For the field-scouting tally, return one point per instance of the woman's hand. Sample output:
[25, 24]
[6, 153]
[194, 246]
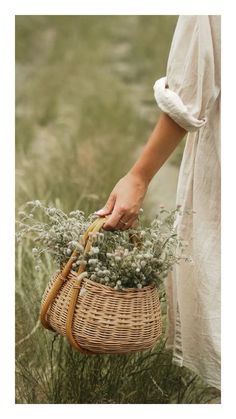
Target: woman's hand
[126, 198]
[124, 203]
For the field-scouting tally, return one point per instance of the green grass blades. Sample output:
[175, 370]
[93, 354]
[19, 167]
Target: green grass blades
[84, 105]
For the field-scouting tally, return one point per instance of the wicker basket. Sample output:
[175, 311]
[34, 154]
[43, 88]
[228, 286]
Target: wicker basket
[97, 318]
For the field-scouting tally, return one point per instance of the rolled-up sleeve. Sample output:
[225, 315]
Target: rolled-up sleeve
[191, 84]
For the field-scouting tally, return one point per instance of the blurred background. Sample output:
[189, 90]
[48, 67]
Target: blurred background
[84, 111]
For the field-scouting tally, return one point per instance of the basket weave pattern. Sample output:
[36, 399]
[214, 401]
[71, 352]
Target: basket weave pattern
[97, 318]
[108, 320]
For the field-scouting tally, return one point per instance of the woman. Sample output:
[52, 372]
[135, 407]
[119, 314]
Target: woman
[189, 97]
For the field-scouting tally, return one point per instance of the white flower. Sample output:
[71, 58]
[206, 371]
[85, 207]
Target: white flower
[94, 251]
[92, 261]
[83, 275]
[100, 274]
[73, 244]
[119, 263]
[147, 255]
[154, 236]
[106, 272]
[52, 211]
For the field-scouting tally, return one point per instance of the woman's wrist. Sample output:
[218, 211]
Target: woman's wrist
[163, 140]
[141, 175]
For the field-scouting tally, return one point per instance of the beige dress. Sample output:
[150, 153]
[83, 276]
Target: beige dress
[190, 95]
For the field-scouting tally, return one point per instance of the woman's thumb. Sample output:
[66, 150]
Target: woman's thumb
[107, 209]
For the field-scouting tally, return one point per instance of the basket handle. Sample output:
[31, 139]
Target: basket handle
[65, 272]
[134, 238]
[76, 288]
[93, 228]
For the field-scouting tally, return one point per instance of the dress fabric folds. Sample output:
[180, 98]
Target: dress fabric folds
[190, 95]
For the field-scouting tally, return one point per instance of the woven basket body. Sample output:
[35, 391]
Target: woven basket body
[107, 320]
[97, 318]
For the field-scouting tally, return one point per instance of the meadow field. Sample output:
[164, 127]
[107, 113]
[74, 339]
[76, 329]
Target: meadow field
[84, 107]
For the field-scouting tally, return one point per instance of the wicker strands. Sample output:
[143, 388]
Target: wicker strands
[97, 318]
[108, 320]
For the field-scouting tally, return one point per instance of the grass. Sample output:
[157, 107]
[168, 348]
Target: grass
[84, 103]
[65, 376]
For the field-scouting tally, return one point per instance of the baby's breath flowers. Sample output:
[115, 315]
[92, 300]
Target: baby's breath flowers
[119, 259]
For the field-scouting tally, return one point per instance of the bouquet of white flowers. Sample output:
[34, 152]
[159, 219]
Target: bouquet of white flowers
[114, 258]
[104, 295]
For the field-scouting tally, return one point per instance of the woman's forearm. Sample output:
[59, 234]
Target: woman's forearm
[126, 198]
[161, 143]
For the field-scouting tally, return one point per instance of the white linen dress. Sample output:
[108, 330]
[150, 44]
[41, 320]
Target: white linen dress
[190, 95]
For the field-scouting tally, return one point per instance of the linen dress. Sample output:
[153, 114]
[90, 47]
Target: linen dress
[190, 95]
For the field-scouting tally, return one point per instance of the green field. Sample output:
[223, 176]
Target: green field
[84, 105]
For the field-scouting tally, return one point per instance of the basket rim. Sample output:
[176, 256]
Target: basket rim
[107, 287]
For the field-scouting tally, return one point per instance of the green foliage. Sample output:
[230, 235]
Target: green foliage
[62, 375]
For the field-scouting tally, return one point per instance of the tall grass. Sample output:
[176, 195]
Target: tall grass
[84, 104]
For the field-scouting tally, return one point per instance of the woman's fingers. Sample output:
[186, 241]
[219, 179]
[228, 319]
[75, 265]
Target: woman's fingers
[124, 203]
[107, 209]
[134, 223]
[125, 224]
[113, 221]
[120, 219]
